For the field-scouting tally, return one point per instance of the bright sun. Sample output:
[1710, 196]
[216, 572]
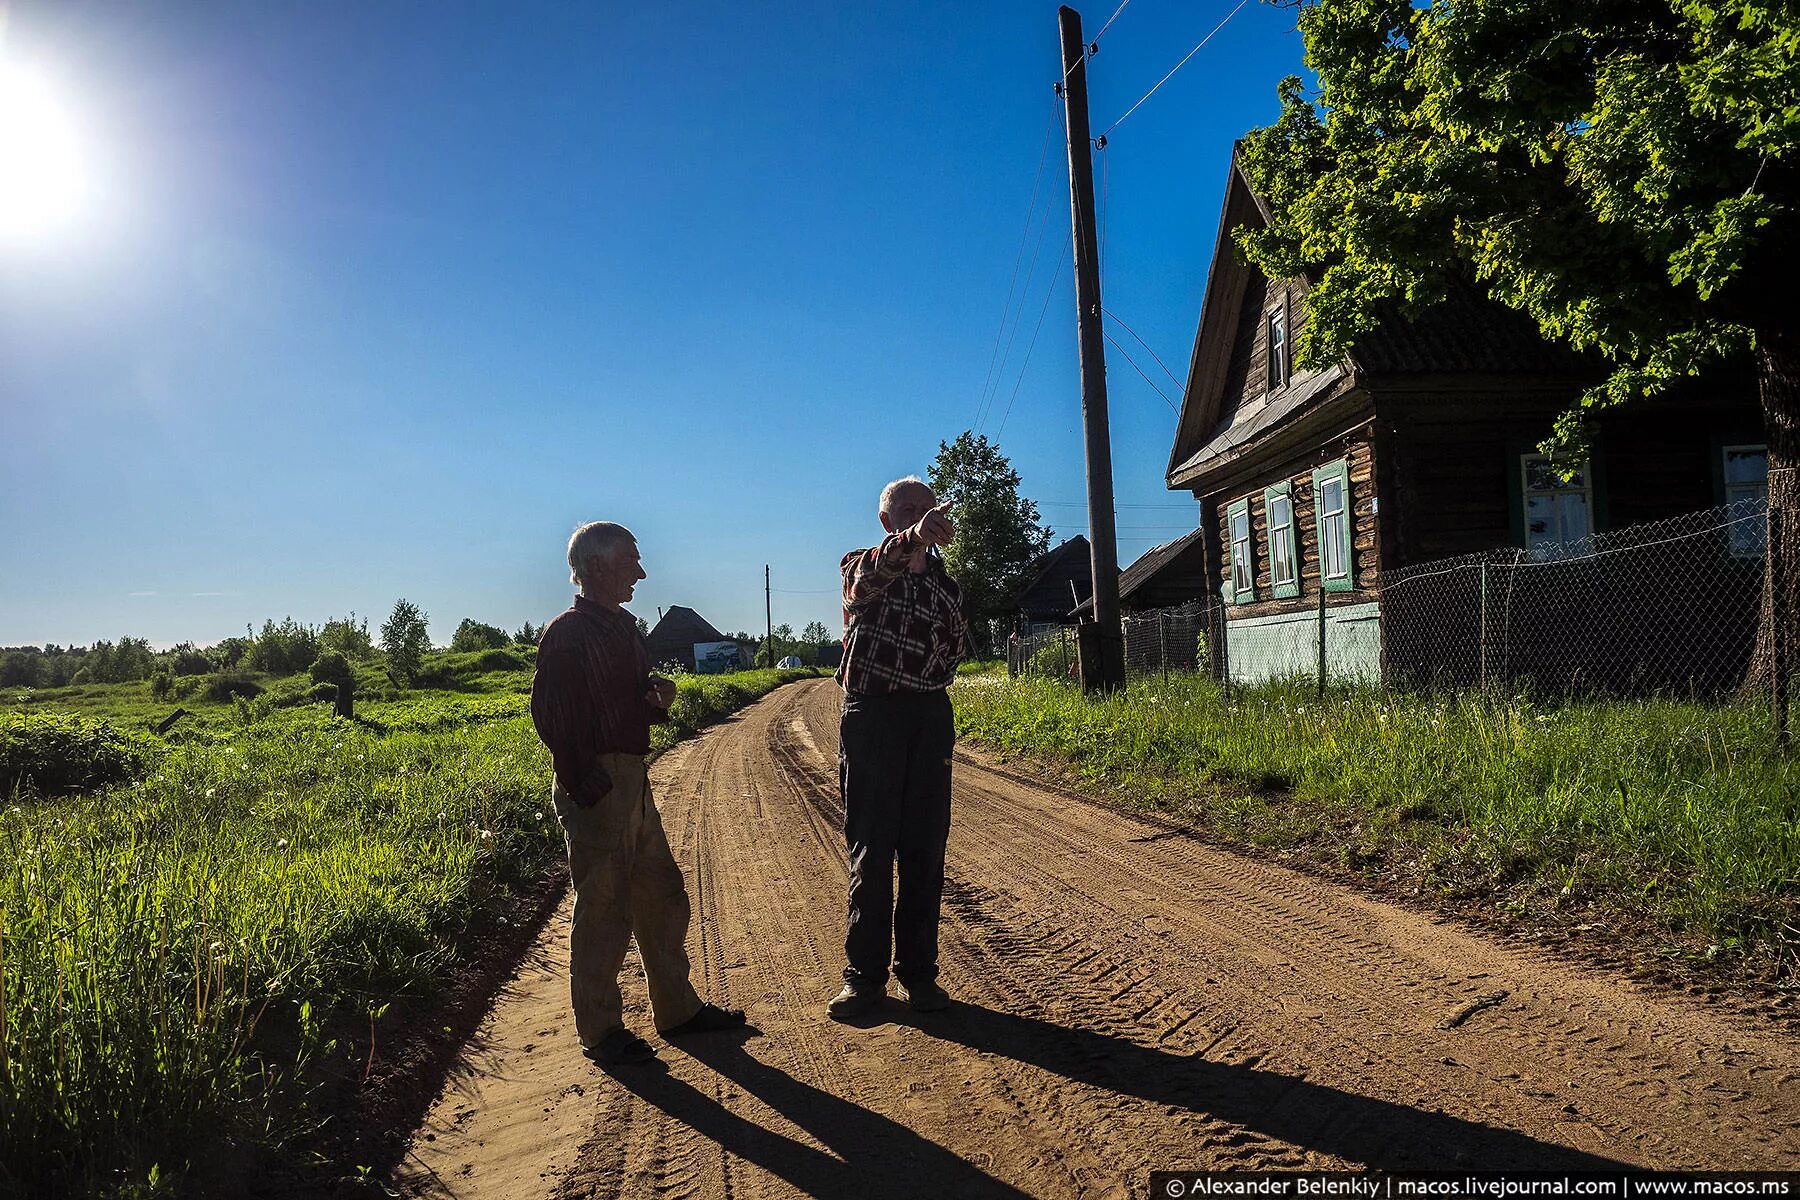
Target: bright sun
[44, 182]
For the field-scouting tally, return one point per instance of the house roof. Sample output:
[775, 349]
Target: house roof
[1466, 333]
[1044, 590]
[683, 625]
[1171, 573]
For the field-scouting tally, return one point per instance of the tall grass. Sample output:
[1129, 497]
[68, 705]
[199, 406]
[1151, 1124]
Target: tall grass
[1678, 810]
[173, 951]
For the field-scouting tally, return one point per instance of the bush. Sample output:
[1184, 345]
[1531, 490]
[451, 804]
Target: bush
[49, 753]
[500, 660]
[161, 684]
[226, 687]
[473, 635]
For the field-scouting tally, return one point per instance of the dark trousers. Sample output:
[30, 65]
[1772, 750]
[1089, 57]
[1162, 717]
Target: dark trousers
[894, 771]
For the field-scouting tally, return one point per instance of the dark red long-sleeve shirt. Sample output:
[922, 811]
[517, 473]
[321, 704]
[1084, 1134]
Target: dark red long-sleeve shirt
[587, 696]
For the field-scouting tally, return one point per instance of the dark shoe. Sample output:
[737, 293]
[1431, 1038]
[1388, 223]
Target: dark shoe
[854, 1001]
[710, 1019]
[619, 1047]
[925, 997]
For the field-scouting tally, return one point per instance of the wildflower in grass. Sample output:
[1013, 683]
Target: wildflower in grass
[486, 834]
[282, 844]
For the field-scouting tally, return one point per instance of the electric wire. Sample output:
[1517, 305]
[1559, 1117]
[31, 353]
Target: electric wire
[1018, 259]
[1146, 345]
[1037, 252]
[1055, 282]
[1172, 70]
[1116, 346]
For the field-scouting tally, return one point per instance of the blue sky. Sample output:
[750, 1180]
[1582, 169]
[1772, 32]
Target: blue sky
[381, 300]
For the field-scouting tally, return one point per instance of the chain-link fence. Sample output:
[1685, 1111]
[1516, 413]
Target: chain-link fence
[1668, 606]
[1672, 606]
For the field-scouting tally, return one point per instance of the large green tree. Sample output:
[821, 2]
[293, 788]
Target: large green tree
[1622, 171]
[998, 532]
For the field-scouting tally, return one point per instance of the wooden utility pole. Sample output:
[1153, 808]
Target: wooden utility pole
[769, 614]
[1110, 652]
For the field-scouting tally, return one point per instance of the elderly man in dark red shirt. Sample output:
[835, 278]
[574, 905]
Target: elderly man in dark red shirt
[593, 700]
[904, 633]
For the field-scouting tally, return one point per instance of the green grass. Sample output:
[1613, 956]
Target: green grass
[174, 950]
[1678, 812]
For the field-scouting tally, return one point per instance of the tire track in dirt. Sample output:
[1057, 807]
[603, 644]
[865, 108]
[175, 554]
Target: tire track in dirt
[1129, 998]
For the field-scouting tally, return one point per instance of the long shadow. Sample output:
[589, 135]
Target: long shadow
[871, 1156]
[1378, 1133]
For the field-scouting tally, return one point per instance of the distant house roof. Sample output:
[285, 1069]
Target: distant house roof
[1044, 594]
[676, 634]
[1163, 576]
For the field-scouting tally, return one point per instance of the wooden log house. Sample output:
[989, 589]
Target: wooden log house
[1419, 446]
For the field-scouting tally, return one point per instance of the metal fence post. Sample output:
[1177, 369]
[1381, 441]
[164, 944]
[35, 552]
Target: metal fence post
[1481, 637]
[1778, 648]
[1162, 643]
[1321, 637]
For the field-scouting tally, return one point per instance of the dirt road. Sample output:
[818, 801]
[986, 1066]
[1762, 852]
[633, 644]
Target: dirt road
[1130, 999]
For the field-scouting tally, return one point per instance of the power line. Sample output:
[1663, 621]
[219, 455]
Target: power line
[1146, 345]
[1037, 254]
[1018, 257]
[1172, 70]
[1115, 345]
[1055, 283]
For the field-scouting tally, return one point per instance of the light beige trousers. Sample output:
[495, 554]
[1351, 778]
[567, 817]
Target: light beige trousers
[626, 882]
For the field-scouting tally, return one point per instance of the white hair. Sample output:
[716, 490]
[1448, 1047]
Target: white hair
[596, 539]
[893, 489]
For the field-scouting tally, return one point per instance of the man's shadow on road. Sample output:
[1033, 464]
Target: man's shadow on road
[873, 1155]
[1380, 1134]
[869, 1155]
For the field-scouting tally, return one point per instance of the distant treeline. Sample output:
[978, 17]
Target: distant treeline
[286, 647]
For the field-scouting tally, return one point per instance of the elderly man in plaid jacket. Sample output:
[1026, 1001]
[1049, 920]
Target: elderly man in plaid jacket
[904, 633]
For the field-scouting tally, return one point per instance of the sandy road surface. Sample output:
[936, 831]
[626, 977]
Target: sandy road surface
[1130, 999]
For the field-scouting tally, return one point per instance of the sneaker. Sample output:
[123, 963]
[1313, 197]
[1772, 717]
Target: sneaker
[854, 1001]
[710, 1019]
[925, 997]
[619, 1047]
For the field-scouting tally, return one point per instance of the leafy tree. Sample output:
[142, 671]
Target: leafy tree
[998, 532]
[473, 635]
[186, 659]
[349, 637]
[815, 634]
[333, 668]
[283, 649]
[227, 654]
[1622, 171]
[21, 668]
[643, 627]
[528, 634]
[405, 639]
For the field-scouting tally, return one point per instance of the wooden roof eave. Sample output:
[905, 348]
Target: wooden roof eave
[1345, 410]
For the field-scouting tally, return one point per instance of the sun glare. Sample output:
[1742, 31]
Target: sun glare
[44, 182]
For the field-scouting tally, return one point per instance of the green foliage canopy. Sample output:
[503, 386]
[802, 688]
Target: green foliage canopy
[473, 635]
[1622, 171]
[998, 532]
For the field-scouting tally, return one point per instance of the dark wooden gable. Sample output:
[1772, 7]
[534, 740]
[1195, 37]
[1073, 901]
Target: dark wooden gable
[1044, 595]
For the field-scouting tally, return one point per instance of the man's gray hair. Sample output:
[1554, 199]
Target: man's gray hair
[893, 489]
[596, 539]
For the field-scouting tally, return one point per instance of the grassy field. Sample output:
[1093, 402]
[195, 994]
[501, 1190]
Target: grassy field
[1681, 815]
[175, 948]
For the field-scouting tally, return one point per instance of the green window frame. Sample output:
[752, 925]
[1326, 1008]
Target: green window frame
[1333, 512]
[1284, 559]
[1240, 588]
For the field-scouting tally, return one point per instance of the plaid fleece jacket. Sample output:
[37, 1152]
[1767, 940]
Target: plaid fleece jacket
[904, 631]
